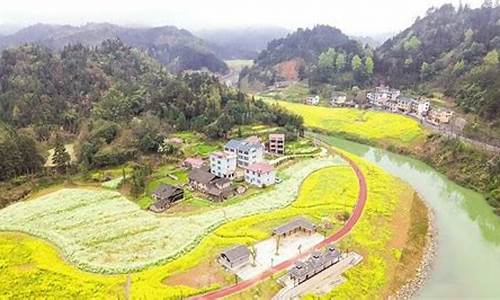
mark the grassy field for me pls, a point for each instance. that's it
(102, 231)
(358, 124)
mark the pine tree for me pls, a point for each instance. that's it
(61, 157)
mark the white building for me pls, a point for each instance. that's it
(383, 94)
(313, 100)
(260, 174)
(223, 164)
(422, 107)
(247, 153)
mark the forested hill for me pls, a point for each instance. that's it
(114, 102)
(456, 50)
(177, 49)
(323, 54)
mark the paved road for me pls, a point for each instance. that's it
(344, 230)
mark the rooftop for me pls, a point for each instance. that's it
(294, 224)
(222, 154)
(261, 168)
(165, 191)
(276, 136)
(202, 176)
(236, 253)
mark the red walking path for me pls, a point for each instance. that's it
(344, 230)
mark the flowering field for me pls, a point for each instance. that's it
(365, 125)
(101, 231)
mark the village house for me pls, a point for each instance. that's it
(234, 257)
(253, 140)
(315, 264)
(276, 143)
(215, 187)
(438, 116)
(165, 195)
(383, 94)
(260, 174)
(312, 100)
(297, 225)
(338, 99)
(421, 107)
(200, 179)
(223, 164)
(404, 104)
(220, 189)
(247, 153)
(193, 163)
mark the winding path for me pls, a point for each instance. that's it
(344, 230)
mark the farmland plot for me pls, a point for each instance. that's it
(101, 231)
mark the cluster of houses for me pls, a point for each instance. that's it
(391, 99)
(239, 160)
(239, 256)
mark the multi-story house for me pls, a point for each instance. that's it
(421, 107)
(404, 104)
(223, 164)
(247, 153)
(438, 116)
(383, 94)
(276, 143)
(260, 174)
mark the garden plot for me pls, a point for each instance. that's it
(101, 231)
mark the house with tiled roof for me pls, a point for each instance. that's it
(260, 174)
(315, 264)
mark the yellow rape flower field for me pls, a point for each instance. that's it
(358, 124)
(30, 267)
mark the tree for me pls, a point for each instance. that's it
(425, 71)
(61, 158)
(356, 63)
(491, 59)
(369, 65)
(327, 58)
(340, 62)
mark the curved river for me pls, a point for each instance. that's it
(467, 265)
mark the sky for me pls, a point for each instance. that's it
(365, 17)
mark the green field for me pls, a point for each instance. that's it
(358, 124)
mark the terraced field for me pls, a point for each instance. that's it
(101, 231)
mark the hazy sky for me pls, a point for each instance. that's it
(351, 16)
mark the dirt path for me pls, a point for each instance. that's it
(344, 230)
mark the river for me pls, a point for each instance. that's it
(467, 264)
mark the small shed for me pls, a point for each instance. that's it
(299, 224)
(165, 195)
(234, 257)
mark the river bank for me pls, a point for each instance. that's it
(412, 287)
(466, 165)
(467, 246)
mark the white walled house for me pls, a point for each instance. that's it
(313, 100)
(260, 174)
(223, 164)
(247, 153)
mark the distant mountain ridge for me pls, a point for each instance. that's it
(178, 49)
(241, 43)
